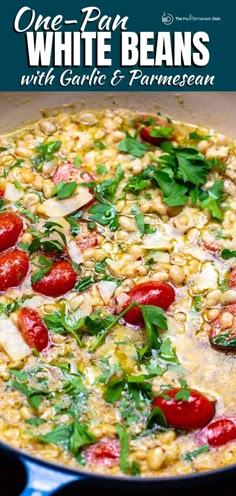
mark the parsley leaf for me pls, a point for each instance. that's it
(45, 153)
(104, 214)
(196, 136)
(226, 254)
(64, 190)
(108, 188)
(197, 303)
(101, 169)
(45, 267)
(80, 436)
(167, 352)
(188, 457)
(77, 162)
(174, 194)
(152, 316)
(211, 198)
(84, 284)
(183, 394)
(124, 448)
(132, 146)
(224, 340)
(161, 132)
(156, 417)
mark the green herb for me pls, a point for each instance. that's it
(19, 374)
(107, 327)
(188, 457)
(151, 261)
(34, 396)
(114, 389)
(99, 144)
(167, 352)
(224, 340)
(153, 316)
(161, 132)
(223, 285)
(17, 184)
(197, 303)
(100, 267)
(45, 153)
(226, 254)
(181, 172)
(59, 435)
(35, 421)
(91, 225)
(80, 436)
(64, 190)
(136, 184)
(124, 448)
(77, 162)
(84, 284)
(135, 468)
(27, 213)
(211, 199)
(101, 169)
(60, 323)
(105, 215)
(183, 394)
(45, 267)
(196, 136)
(132, 146)
(156, 417)
(74, 225)
(73, 436)
(108, 188)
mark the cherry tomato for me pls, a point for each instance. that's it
(60, 279)
(225, 338)
(11, 226)
(219, 432)
(194, 413)
(67, 172)
(151, 123)
(2, 193)
(232, 279)
(87, 238)
(159, 294)
(33, 329)
(14, 266)
(103, 453)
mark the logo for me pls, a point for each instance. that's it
(167, 19)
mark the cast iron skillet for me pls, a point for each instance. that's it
(45, 478)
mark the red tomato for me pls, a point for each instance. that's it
(232, 279)
(33, 329)
(159, 294)
(14, 266)
(2, 193)
(60, 279)
(67, 172)
(11, 226)
(219, 432)
(146, 131)
(104, 453)
(192, 414)
(225, 338)
(87, 237)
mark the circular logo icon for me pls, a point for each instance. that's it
(167, 19)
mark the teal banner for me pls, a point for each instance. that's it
(118, 46)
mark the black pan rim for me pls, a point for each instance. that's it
(180, 480)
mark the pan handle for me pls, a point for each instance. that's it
(43, 481)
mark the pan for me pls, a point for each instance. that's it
(214, 110)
